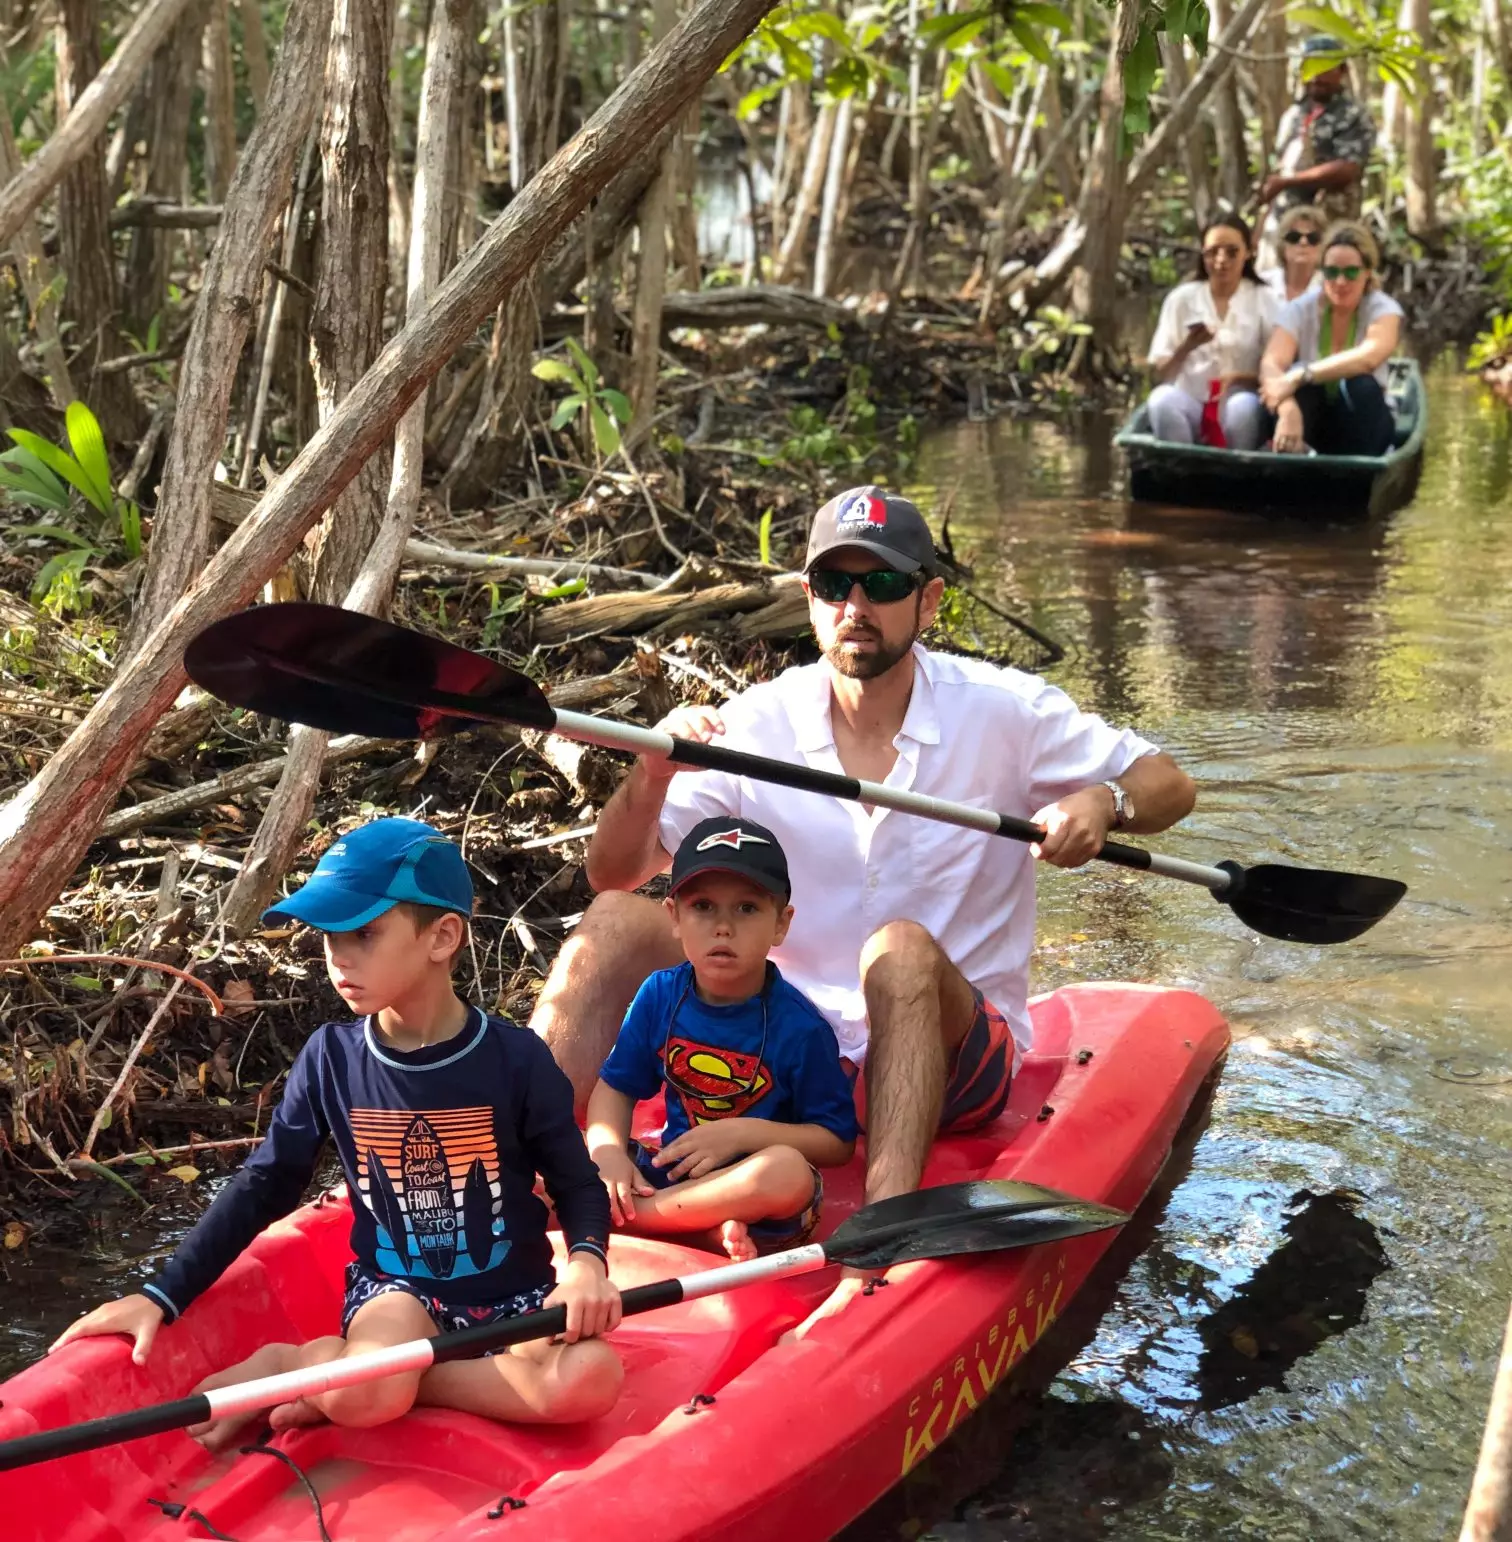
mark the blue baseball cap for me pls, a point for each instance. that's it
(372, 868)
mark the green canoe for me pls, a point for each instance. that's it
(1311, 487)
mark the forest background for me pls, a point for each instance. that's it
(546, 327)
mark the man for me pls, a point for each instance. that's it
(1323, 143)
(914, 937)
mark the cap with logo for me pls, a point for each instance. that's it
(739, 846)
(372, 868)
(873, 520)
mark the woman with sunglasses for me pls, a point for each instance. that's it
(1301, 232)
(1325, 369)
(1207, 346)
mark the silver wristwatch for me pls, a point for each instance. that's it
(1123, 805)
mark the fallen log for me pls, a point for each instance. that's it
(580, 619)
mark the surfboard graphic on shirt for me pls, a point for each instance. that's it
(431, 1181)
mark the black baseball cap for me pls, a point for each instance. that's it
(874, 520)
(738, 846)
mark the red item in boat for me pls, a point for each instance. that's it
(797, 1440)
(1211, 431)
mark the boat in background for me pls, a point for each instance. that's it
(1315, 488)
(723, 1432)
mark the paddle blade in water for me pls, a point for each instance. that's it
(1304, 904)
(982, 1217)
(348, 673)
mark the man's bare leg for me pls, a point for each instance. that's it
(919, 1007)
(620, 940)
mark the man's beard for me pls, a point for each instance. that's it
(867, 666)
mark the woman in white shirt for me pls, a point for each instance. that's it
(1207, 346)
(1325, 369)
(1301, 233)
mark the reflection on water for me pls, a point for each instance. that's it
(1344, 697)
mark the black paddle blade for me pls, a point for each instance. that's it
(1308, 904)
(348, 673)
(983, 1217)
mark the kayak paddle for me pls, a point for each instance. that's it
(348, 673)
(945, 1222)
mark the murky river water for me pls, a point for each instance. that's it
(1344, 698)
(1271, 1365)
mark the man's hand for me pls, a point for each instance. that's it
(698, 1152)
(700, 724)
(590, 1296)
(1075, 828)
(1273, 187)
(138, 1317)
(623, 1180)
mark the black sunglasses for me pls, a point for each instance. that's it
(1302, 237)
(882, 586)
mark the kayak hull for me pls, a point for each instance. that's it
(1319, 489)
(722, 1431)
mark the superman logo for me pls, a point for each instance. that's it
(714, 1083)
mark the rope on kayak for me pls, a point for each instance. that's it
(299, 1472)
(173, 1510)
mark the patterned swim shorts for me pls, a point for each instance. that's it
(362, 1287)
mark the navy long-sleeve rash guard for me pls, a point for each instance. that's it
(440, 1146)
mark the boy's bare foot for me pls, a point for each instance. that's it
(270, 1360)
(735, 1238)
(852, 1284)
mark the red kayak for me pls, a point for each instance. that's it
(722, 1432)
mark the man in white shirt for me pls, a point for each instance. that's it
(912, 937)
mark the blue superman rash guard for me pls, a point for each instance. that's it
(440, 1147)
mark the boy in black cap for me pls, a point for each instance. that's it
(756, 1097)
(442, 1117)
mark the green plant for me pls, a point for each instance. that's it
(38, 474)
(764, 539)
(1491, 346)
(602, 409)
(1049, 331)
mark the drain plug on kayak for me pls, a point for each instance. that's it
(1044, 1114)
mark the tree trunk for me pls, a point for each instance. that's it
(220, 101)
(1234, 184)
(254, 50)
(1421, 171)
(168, 93)
(1394, 102)
(46, 828)
(346, 326)
(1270, 77)
(180, 543)
(1194, 146)
(1056, 149)
(85, 250)
(1101, 208)
(829, 211)
(284, 820)
(816, 161)
(651, 268)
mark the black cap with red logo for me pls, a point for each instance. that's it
(738, 846)
(875, 520)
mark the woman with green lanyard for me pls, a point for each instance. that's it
(1324, 370)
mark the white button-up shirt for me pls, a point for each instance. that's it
(974, 734)
(1238, 340)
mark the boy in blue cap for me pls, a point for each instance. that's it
(757, 1100)
(442, 1117)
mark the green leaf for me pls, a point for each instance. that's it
(584, 363)
(848, 78)
(757, 98)
(152, 334)
(567, 409)
(944, 31)
(1199, 24)
(23, 471)
(558, 370)
(796, 64)
(565, 590)
(1042, 15)
(55, 533)
(1002, 77)
(764, 537)
(1136, 117)
(1175, 20)
(27, 491)
(1312, 18)
(1033, 44)
(65, 564)
(606, 434)
(823, 24)
(131, 530)
(56, 460)
(955, 78)
(617, 402)
(88, 445)
(1140, 67)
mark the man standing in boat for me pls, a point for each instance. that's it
(1323, 145)
(914, 937)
